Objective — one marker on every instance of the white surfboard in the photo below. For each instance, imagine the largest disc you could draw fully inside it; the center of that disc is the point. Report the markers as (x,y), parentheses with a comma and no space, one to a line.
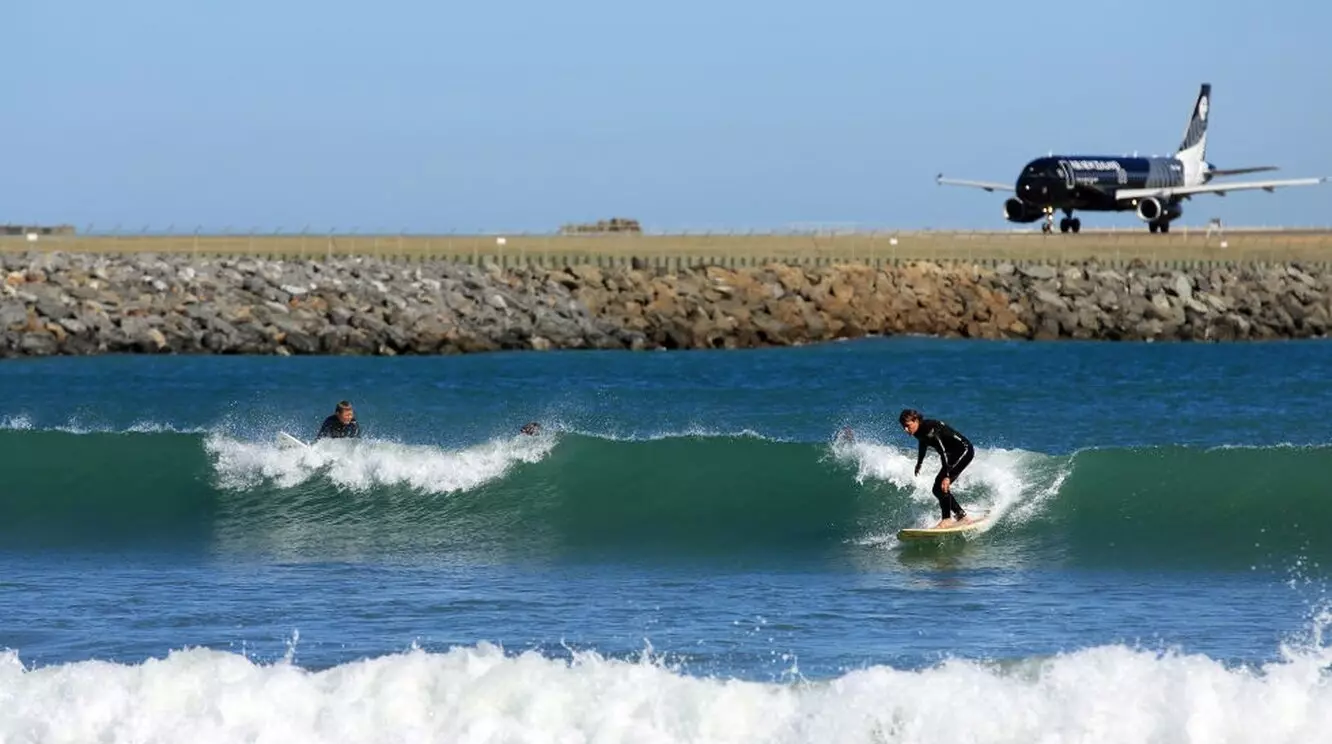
(918,533)
(287,441)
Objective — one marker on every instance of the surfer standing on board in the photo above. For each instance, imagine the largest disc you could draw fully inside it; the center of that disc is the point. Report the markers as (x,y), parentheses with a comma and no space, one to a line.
(341,425)
(954,449)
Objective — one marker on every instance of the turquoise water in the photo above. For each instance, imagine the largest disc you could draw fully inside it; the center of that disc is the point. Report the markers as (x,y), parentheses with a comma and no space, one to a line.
(683,553)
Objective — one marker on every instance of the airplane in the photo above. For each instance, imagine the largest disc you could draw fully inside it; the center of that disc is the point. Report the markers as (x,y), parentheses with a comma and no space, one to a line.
(1151,186)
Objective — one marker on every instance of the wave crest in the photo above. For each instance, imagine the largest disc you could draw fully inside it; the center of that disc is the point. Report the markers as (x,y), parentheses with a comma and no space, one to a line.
(362,466)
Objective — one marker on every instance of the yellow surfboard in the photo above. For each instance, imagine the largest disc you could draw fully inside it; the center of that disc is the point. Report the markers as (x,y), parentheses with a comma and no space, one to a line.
(918,533)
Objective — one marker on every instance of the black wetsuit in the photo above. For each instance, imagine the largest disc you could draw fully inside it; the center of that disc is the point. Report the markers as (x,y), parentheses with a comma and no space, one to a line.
(956,452)
(335,429)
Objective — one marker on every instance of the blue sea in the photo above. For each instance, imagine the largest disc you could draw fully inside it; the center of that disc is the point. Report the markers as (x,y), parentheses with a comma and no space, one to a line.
(685,552)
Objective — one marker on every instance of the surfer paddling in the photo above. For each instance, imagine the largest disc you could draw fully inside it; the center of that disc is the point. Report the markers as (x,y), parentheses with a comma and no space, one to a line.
(954,450)
(341,425)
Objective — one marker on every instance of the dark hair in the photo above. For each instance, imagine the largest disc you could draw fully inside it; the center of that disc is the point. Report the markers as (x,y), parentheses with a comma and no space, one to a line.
(908,414)
(344,405)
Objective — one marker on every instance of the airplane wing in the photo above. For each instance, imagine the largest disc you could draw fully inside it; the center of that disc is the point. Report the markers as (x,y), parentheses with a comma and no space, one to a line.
(976,184)
(1240,171)
(1220,189)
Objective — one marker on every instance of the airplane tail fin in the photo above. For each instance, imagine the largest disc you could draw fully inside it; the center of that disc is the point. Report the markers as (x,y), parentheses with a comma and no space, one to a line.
(1193,148)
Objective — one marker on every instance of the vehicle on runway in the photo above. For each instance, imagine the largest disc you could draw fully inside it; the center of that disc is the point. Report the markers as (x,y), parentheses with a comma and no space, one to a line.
(1151,186)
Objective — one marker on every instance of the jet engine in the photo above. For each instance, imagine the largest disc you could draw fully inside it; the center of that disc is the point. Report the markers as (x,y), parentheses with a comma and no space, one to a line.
(1016,210)
(1151,209)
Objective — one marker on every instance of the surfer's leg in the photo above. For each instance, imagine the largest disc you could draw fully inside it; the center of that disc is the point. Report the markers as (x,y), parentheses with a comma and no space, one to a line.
(947,504)
(960,465)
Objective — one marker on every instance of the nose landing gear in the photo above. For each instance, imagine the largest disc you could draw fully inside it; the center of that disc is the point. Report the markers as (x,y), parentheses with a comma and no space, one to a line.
(1066,224)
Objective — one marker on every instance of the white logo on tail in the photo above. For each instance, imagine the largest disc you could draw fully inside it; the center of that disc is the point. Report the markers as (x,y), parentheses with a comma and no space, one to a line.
(1202,109)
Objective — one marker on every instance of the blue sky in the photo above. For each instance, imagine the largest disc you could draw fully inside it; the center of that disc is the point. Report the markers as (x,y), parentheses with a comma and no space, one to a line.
(521,115)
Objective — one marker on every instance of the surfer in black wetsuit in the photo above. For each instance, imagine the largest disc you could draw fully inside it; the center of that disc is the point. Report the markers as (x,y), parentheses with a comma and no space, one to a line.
(341,425)
(954,449)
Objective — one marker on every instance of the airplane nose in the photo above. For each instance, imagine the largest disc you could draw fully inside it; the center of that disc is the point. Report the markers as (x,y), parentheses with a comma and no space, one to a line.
(1037,188)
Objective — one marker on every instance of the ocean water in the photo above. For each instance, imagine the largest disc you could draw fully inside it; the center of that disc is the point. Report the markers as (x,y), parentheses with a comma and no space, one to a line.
(683,553)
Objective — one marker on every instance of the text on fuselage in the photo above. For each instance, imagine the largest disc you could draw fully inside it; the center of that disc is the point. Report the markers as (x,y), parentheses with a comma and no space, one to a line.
(1104,165)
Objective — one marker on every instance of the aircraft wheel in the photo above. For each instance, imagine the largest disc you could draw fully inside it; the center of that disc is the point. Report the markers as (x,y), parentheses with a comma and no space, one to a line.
(1075,224)
(1151,227)
(1063,225)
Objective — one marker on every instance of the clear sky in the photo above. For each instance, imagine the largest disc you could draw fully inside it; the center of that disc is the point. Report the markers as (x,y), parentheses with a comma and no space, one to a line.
(525,114)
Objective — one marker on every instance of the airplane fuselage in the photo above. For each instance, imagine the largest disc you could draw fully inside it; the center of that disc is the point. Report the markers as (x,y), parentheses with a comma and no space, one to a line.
(1088,182)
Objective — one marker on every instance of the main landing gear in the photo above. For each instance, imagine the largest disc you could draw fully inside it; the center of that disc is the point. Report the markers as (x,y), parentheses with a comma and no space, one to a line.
(1158,226)
(1067,223)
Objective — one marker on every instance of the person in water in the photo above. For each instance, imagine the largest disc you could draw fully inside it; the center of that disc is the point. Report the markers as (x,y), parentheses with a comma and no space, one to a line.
(530,428)
(954,450)
(341,425)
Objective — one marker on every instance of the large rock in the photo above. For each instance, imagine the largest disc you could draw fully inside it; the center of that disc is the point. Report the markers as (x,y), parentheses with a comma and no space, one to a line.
(1182,286)
(13,316)
(39,343)
(1037,271)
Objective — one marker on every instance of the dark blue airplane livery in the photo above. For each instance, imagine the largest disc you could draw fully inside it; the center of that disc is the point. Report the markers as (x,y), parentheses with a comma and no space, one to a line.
(1152,187)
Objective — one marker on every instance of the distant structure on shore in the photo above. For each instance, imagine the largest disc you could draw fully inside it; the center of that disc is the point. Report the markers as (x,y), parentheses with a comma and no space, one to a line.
(36,229)
(613,225)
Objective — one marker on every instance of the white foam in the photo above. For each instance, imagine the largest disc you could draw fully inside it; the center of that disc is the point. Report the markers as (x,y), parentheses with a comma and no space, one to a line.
(361,465)
(693,431)
(1108,694)
(152,427)
(1000,482)
(23,422)
(1273,445)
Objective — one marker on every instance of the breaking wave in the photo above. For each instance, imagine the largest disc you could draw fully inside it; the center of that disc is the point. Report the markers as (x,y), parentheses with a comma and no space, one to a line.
(570,494)
(480,693)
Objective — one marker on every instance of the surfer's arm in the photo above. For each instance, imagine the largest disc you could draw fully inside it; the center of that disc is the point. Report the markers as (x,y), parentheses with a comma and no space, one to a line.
(920,456)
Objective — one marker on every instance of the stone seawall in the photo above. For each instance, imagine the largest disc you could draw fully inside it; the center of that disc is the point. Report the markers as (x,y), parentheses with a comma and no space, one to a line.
(85,304)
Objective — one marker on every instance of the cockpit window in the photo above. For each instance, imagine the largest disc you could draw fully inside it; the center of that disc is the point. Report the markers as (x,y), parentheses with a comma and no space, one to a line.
(1045,170)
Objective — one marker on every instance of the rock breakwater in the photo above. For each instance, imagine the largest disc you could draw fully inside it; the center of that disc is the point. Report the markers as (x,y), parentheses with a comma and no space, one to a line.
(86,304)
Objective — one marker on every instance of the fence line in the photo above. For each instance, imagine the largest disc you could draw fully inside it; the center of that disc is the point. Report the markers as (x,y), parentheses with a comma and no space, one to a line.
(1183,248)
